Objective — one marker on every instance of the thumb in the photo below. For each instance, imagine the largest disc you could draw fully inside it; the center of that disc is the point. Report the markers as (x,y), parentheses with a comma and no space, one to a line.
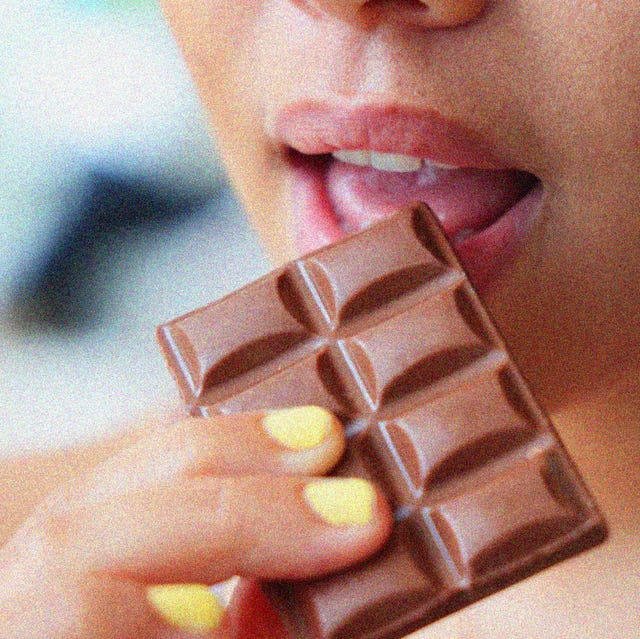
(195,609)
(192,608)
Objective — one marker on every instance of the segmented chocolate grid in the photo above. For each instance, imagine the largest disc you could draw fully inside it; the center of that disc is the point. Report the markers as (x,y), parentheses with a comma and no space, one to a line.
(386,331)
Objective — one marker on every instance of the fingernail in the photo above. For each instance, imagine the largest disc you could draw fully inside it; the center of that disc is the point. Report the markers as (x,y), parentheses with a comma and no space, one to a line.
(299,428)
(342,502)
(190,607)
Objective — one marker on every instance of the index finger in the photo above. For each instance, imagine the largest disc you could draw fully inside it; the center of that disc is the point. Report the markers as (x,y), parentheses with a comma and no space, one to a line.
(305,440)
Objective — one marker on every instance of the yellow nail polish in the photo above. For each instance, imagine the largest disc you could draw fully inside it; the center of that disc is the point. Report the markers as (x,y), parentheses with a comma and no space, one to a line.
(342,502)
(299,428)
(191,607)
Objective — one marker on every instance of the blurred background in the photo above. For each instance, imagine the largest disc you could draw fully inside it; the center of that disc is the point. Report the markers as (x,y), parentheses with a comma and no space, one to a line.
(115,216)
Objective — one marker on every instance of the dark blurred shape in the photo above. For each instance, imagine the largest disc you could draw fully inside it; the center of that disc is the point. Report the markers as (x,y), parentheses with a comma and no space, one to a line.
(67,288)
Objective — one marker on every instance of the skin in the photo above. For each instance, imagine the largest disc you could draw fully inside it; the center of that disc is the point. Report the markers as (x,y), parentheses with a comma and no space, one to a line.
(555,87)
(175,503)
(565,109)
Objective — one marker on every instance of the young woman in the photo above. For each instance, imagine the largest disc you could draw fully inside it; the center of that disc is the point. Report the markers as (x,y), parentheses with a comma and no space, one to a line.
(518,121)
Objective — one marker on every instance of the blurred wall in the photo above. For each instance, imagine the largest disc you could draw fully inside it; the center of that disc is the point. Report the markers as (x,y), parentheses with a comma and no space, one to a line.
(115,215)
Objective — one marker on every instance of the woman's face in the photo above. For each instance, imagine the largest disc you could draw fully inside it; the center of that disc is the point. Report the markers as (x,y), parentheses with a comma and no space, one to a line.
(533,106)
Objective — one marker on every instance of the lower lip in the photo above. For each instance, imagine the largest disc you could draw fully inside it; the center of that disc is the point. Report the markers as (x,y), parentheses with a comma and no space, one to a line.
(486,255)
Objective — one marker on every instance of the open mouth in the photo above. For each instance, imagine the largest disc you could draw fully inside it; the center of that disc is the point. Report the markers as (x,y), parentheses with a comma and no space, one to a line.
(363,186)
(484,212)
(351,165)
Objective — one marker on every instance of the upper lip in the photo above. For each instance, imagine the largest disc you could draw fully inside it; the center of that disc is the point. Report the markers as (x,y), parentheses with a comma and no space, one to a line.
(314,128)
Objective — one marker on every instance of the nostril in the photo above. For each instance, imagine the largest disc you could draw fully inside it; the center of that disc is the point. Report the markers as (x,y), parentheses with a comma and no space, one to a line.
(409,12)
(361,11)
(411,5)
(396,8)
(452,13)
(433,14)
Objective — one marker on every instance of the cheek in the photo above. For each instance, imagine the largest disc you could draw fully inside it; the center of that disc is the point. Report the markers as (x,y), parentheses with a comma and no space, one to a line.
(214,38)
(218,41)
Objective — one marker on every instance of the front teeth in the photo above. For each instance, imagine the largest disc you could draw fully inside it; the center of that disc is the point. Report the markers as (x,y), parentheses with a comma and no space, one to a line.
(395,162)
(382,161)
(359,158)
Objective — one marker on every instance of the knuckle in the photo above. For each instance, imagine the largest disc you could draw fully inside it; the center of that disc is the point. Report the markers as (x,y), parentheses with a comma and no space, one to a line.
(231,528)
(187,444)
(60,526)
(106,608)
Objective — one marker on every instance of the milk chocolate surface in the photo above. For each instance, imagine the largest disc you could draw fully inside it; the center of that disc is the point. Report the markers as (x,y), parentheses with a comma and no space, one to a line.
(385,330)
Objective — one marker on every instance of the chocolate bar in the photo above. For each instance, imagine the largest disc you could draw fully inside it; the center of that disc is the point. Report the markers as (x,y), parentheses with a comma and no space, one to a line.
(384,329)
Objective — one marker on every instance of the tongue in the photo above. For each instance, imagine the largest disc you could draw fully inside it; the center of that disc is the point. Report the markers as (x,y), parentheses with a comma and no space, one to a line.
(465,200)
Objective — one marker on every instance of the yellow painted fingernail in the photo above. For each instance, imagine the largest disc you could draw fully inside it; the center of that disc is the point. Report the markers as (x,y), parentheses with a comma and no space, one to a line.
(191,607)
(299,428)
(342,502)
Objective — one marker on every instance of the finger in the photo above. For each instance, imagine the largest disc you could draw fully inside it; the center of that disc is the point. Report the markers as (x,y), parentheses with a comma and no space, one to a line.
(27,479)
(208,529)
(38,599)
(301,440)
(306,441)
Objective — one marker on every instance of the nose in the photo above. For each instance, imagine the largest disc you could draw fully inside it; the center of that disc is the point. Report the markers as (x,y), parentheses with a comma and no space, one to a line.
(426,13)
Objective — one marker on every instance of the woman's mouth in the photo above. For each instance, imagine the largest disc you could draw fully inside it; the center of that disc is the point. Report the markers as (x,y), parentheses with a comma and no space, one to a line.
(484,207)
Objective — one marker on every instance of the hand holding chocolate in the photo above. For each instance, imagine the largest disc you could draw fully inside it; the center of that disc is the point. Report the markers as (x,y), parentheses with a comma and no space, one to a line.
(384,329)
